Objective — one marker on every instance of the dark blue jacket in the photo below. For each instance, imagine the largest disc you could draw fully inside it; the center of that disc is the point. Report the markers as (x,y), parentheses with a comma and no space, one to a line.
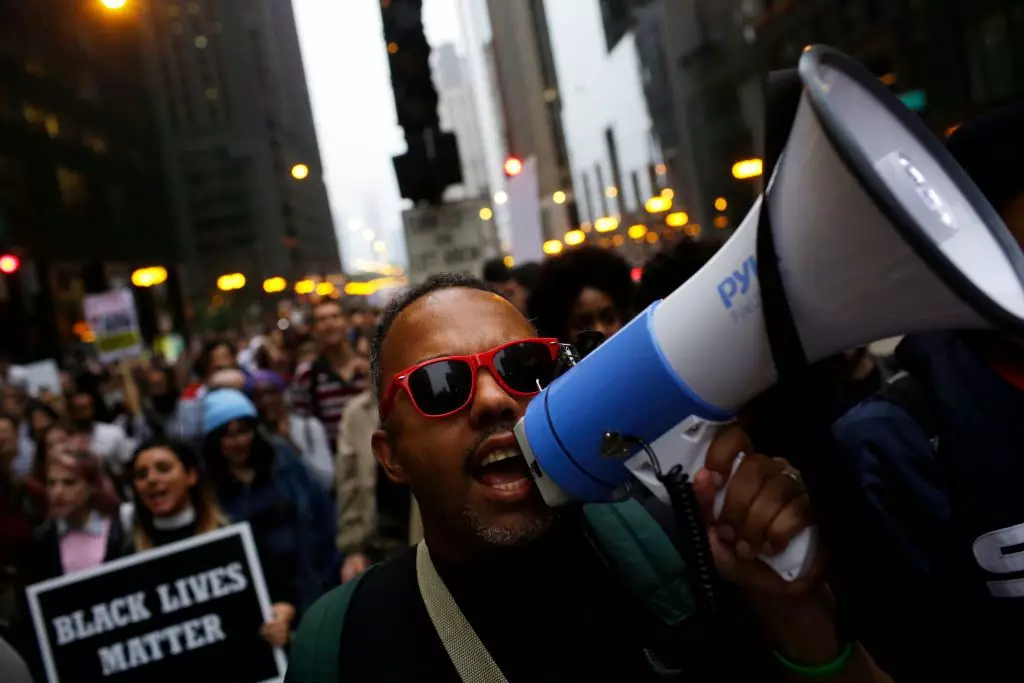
(292,523)
(947,501)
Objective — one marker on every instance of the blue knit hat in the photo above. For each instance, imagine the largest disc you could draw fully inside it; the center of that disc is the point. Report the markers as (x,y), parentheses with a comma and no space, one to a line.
(223,406)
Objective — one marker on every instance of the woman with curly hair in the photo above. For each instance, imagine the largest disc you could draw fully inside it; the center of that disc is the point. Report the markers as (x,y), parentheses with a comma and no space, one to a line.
(582,289)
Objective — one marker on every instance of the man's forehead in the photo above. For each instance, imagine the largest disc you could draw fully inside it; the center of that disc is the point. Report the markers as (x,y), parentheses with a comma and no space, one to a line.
(453,321)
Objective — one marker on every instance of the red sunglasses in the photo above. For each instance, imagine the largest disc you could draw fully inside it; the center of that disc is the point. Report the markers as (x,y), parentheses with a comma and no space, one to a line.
(442,386)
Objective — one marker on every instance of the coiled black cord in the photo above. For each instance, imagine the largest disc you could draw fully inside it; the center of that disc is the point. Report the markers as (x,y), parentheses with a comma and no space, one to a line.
(692,540)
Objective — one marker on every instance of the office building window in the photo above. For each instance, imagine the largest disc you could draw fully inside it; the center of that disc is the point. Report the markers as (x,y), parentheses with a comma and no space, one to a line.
(72,186)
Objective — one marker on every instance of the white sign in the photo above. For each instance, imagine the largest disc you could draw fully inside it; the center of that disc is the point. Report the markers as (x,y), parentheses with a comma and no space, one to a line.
(448,238)
(113,320)
(39,376)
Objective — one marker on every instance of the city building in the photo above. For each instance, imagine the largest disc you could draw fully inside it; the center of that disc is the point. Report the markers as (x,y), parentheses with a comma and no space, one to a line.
(239,147)
(457,111)
(608,130)
(82,200)
(531,106)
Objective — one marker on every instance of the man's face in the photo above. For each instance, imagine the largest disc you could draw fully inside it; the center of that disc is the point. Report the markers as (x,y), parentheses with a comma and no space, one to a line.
(442,458)
(82,411)
(329,325)
(512,291)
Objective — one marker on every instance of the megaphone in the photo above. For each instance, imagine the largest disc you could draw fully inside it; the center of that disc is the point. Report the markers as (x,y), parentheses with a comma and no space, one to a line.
(878,232)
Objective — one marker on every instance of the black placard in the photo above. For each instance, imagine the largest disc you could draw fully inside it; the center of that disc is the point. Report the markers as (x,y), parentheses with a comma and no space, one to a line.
(187,611)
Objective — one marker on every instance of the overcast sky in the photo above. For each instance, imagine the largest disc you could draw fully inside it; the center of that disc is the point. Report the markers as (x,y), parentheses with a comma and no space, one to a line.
(353,107)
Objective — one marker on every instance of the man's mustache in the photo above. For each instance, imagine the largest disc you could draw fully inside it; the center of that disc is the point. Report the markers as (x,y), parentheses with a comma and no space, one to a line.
(468,461)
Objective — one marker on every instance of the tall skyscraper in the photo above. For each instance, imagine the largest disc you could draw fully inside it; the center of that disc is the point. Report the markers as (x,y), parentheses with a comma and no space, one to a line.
(457,111)
(82,200)
(239,145)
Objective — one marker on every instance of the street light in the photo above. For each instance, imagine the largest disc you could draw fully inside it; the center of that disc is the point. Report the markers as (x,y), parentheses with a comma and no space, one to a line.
(142,277)
(574,237)
(559,197)
(300,171)
(721,222)
(115,5)
(305,287)
(508,261)
(486,214)
(677,219)
(324,289)
(513,166)
(230,282)
(721,204)
(500,197)
(552,247)
(637,231)
(748,168)
(606,224)
(659,204)
(273,285)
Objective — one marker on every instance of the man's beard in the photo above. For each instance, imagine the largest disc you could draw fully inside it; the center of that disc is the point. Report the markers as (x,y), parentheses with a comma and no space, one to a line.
(511,536)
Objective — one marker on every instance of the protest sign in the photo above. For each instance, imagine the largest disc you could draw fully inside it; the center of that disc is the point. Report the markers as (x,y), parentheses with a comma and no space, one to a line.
(113,321)
(191,610)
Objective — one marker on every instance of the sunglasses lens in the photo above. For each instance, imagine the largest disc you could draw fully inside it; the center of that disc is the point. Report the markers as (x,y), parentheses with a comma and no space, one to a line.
(441,387)
(525,367)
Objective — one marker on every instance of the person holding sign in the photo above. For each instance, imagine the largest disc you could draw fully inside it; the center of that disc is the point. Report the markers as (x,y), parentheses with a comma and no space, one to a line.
(265,484)
(83,530)
(174,500)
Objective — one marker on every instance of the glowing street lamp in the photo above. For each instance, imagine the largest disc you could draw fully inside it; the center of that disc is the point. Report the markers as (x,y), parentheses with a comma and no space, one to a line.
(677,219)
(637,231)
(300,171)
(230,282)
(559,197)
(658,204)
(273,285)
(552,247)
(142,277)
(486,214)
(324,289)
(748,168)
(606,224)
(305,287)
(574,237)
(114,5)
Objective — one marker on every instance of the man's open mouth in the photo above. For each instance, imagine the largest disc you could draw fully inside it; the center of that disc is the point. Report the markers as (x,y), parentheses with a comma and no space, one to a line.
(504,469)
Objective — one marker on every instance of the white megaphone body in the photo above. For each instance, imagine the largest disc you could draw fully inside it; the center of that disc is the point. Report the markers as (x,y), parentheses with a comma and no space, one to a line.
(878,232)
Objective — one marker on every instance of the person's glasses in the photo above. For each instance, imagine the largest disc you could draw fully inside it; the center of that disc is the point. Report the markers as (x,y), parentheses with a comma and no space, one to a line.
(442,386)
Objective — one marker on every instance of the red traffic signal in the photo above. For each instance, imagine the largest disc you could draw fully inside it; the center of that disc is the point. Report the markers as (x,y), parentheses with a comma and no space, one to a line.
(9,263)
(513,166)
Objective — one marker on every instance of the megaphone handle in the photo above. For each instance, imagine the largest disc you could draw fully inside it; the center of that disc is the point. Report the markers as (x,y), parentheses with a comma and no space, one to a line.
(793,562)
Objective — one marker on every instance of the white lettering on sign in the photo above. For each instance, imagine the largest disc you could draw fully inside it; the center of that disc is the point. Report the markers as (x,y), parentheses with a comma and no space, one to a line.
(1002,552)
(101,618)
(148,648)
(200,588)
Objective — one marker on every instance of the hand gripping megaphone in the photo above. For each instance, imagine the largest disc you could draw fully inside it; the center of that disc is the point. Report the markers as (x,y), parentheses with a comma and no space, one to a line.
(877,231)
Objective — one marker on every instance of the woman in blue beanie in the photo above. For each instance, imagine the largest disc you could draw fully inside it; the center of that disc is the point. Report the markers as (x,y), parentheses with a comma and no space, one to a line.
(265,484)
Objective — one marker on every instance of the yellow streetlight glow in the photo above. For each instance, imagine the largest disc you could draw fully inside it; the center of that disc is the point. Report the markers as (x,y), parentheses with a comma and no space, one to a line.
(552,247)
(149,277)
(305,287)
(500,197)
(611,191)
(721,204)
(574,237)
(380,246)
(371,287)
(661,169)
(392,48)
(559,197)
(114,4)
(619,240)
(273,285)
(606,224)
(721,222)
(508,261)
(677,219)
(692,230)
(658,204)
(652,237)
(748,168)
(300,171)
(230,282)
(668,193)
(324,289)
(486,214)
(637,231)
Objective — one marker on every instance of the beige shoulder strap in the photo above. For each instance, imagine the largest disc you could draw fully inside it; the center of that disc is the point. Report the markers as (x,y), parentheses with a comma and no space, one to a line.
(467,652)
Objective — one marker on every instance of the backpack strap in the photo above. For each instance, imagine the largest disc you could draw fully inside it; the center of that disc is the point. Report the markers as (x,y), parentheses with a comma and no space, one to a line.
(314,651)
(642,555)
(914,396)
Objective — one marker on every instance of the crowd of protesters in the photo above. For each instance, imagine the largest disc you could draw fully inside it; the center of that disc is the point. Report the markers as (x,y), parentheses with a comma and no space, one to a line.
(284,431)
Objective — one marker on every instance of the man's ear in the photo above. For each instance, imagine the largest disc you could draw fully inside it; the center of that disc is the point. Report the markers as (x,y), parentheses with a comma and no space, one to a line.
(384,451)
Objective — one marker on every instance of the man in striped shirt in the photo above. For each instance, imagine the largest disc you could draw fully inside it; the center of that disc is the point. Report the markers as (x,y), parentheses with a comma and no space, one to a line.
(324,387)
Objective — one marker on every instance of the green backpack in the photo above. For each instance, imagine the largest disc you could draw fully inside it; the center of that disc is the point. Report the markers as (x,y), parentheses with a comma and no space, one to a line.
(629,539)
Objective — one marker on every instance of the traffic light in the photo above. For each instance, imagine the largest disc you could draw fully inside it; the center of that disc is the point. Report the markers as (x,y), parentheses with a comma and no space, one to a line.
(513,166)
(9,264)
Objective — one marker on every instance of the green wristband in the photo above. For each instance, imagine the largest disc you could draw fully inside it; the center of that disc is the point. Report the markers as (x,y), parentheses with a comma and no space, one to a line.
(822,671)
